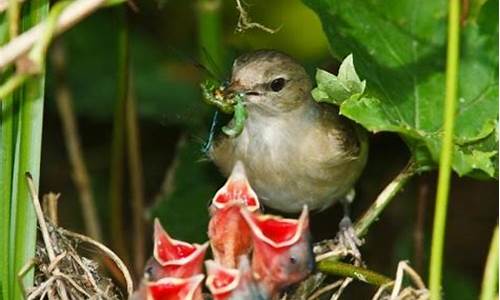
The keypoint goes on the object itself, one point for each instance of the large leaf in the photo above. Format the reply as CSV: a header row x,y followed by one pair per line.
x,y
399,47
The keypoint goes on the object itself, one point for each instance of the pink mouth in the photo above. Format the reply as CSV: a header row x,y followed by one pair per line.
x,y
170,288
237,190
276,231
220,280
169,252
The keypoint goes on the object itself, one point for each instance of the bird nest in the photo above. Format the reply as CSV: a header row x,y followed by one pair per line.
x,y
61,272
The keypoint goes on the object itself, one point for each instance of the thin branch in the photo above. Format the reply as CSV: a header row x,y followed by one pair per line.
x,y
348,270
245,23
325,289
74,13
69,124
341,289
384,198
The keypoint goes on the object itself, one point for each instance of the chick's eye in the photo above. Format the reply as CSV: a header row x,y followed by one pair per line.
x,y
277,84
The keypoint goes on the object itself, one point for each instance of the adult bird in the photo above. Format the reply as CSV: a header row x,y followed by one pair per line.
x,y
296,151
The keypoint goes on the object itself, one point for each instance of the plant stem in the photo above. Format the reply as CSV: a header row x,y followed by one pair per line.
x,y
438,235
118,143
13,13
136,181
489,287
347,270
80,173
209,34
384,198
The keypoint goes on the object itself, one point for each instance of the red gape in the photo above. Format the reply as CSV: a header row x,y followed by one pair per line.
x,y
282,252
170,288
232,284
173,258
229,234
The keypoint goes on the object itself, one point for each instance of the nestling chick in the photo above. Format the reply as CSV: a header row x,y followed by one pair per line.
x,y
282,253
229,234
296,152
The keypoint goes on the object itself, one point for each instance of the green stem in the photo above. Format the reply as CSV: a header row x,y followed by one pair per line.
x,y
210,33
383,199
28,153
118,143
13,13
438,235
490,279
347,270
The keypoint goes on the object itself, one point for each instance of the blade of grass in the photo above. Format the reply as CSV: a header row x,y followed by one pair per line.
x,y
29,138
7,138
489,288
438,234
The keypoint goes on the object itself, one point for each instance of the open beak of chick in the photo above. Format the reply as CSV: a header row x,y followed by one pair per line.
x,y
229,233
282,253
174,258
171,288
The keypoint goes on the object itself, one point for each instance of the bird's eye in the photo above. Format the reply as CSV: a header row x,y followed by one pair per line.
x,y
293,260
278,84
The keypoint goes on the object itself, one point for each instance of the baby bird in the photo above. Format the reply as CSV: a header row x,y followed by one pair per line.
x,y
296,151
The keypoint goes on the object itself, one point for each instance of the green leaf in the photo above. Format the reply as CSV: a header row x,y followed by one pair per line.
x,y
398,46
337,89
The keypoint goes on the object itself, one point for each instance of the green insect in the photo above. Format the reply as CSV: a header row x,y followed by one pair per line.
x,y
215,94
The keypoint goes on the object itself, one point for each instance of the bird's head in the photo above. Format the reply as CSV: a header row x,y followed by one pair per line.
x,y
282,252
271,81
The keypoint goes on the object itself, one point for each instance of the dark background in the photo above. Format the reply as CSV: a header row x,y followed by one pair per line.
x,y
163,42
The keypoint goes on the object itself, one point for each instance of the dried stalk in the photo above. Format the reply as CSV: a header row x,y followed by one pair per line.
x,y
245,23
19,46
80,173
136,180
45,233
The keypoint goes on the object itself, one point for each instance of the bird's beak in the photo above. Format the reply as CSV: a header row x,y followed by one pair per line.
x,y
236,87
221,281
175,288
275,231
237,190
177,258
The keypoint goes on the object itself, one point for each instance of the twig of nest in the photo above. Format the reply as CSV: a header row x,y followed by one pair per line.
x,y
60,272
244,21
416,292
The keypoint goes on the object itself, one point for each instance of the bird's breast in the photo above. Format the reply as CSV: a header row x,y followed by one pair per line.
x,y
274,156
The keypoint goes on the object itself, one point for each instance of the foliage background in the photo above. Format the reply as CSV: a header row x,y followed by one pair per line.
x,y
163,39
